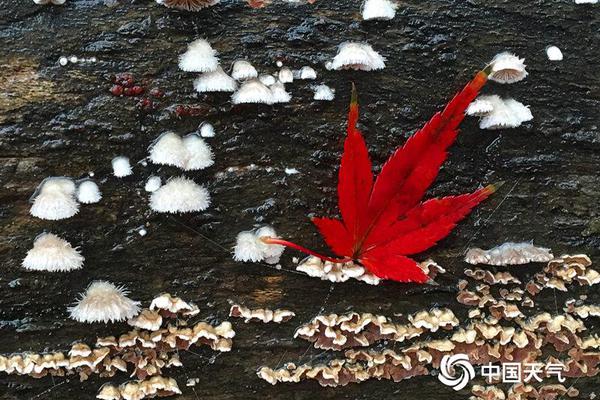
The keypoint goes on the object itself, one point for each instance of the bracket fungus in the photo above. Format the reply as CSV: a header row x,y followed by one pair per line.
x,y
509,253
261,314
199,57
54,199
52,253
104,302
335,272
136,390
179,195
358,56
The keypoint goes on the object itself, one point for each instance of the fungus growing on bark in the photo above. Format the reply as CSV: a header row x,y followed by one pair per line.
x,y
54,199
188,5
88,192
153,184
323,93
121,167
482,105
335,272
378,9
207,130
553,53
173,305
148,319
358,56
180,195
267,79
104,302
509,253
52,253
55,2
242,70
506,113
286,75
168,149
250,246
306,73
252,91
215,81
279,94
507,68
199,57
261,314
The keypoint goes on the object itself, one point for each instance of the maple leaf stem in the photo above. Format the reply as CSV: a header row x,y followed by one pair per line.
x,y
271,240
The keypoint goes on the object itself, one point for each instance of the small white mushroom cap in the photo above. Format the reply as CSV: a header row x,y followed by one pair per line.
x,y
286,75
586,1
306,73
267,79
54,199
250,247
52,253
554,53
104,302
199,154
207,130
279,93
215,81
506,113
168,149
180,195
324,93
508,68
358,56
121,167
55,2
482,105
522,112
152,184
242,69
378,9
88,192
253,91
199,57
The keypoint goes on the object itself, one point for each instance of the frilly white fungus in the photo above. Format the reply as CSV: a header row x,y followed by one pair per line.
x,y
189,153
250,247
152,184
324,93
55,2
253,91
188,5
54,199
52,253
267,79
207,130
554,53
88,192
199,154
199,57
121,167
279,93
378,9
508,68
358,56
482,105
286,75
215,81
507,113
307,72
242,70
104,302
586,1
180,195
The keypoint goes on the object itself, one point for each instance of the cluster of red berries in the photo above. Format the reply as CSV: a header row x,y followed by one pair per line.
x,y
190,110
124,85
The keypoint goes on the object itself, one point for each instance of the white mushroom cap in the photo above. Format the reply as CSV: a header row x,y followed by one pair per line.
x,y
121,167
55,2
586,1
88,192
250,247
54,199
358,56
482,105
378,9
215,81
199,57
307,72
267,79
52,253
104,302
554,53
286,75
207,130
324,93
253,91
279,93
168,149
242,69
199,154
507,113
180,195
508,68
153,183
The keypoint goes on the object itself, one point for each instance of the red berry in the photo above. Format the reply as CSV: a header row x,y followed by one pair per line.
x,y
127,92
137,90
156,92
116,90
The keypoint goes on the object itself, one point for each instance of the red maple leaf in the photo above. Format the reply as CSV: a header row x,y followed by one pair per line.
x,y
384,220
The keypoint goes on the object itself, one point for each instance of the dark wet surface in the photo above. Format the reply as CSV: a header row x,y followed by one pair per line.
x,y
63,121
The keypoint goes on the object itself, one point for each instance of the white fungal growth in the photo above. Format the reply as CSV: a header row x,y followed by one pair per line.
x,y
52,253
55,2
586,1
267,79
323,93
253,91
250,247
152,184
509,254
378,9
189,153
279,93
207,130
506,113
482,105
199,154
180,195
88,192
242,70
54,199
104,302
554,53
358,56
121,167
306,73
286,75
199,57
508,68
215,81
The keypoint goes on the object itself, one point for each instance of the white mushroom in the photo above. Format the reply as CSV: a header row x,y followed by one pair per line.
x,y
358,56
199,57
104,302
180,195
52,253
378,9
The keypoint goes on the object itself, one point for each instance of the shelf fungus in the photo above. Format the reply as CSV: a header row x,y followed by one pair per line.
x,y
501,278
253,91
170,306
509,253
252,246
136,390
54,199
260,315
180,195
378,9
104,302
121,167
215,81
335,272
357,56
190,153
434,319
88,192
52,253
507,68
199,57
323,93
243,70
149,320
